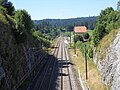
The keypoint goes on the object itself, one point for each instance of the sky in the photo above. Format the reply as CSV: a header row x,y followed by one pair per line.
x,y
63,9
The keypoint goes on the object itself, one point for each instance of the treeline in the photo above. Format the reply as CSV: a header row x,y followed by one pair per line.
x,y
50,28
108,20
47,30
89,22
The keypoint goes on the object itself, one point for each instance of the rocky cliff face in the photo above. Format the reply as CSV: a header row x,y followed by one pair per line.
x,y
109,66
16,60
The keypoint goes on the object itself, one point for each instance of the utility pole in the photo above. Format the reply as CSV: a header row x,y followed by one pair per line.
x,y
70,38
74,43
85,61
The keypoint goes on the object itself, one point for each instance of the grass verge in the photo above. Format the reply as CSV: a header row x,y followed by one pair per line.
x,y
94,81
105,43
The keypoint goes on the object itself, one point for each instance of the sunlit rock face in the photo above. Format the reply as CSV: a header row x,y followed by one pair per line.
x,y
115,55
109,66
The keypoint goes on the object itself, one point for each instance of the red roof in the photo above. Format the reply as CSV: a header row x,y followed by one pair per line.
x,y
80,29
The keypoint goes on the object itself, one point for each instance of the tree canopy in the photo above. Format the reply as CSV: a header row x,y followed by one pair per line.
x,y
23,20
109,19
3,1
118,5
9,8
23,25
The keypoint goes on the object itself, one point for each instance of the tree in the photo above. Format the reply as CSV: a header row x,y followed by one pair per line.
x,y
70,28
96,38
23,20
24,25
3,1
86,35
9,8
118,5
78,37
109,19
2,9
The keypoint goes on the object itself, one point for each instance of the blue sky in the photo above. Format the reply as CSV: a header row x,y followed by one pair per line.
x,y
62,9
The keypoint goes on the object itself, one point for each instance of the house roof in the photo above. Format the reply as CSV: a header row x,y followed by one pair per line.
x,y
80,29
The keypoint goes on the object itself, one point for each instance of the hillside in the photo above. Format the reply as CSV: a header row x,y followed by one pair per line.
x,y
106,57
17,60
89,21
20,49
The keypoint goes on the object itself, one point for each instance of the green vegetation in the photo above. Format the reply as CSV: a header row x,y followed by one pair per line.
x,y
105,43
80,43
24,25
89,22
3,19
19,32
2,1
108,20
90,32
6,7
9,8
48,31
23,20
86,36
44,41
94,79
2,9
101,38
18,38
118,5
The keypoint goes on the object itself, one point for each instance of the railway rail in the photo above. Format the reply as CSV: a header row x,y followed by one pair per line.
x,y
44,79
65,76
57,73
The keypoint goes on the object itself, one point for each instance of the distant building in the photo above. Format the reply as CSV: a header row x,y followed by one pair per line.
x,y
80,29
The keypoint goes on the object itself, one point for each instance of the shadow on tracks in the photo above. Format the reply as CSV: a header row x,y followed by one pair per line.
x,y
60,65
46,74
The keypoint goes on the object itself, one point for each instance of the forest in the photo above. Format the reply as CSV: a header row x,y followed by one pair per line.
x,y
89,22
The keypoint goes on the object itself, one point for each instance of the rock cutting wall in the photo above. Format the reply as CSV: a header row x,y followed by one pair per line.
x,y
109,66
16,60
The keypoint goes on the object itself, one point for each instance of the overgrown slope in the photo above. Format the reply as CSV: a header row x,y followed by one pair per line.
x,y
106,56
16,60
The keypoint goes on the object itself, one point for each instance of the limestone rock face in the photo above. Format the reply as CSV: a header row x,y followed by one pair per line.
x,y
110,65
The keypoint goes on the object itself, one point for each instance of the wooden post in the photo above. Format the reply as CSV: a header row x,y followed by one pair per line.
x,y
74,43
85,61
70,38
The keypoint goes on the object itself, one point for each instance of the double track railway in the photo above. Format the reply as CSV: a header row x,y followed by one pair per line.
x,y
57,73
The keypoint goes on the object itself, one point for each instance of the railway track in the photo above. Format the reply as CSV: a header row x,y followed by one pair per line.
x,y
67,78
57,73
65,75
49,74
45,78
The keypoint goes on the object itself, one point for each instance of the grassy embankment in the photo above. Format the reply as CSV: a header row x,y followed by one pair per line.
x,y
105,43
94,79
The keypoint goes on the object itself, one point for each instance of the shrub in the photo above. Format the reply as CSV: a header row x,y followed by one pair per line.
x,y
3,19
86,35
89,52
